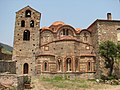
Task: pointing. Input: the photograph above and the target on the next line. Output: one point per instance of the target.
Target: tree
(118, 53)
(109, 51)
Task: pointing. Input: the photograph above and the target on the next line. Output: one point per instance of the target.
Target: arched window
(85, 37)
(45, 66)
(26, 35)
(22, 23)
(31, 23)
(65, 32)
(59, 65)
(68, 64)
(27, 13)
(25, 68)
(89, 66)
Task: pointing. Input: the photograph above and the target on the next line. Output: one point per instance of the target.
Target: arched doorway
(25, 68)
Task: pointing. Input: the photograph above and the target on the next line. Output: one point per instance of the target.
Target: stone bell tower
(26, 40)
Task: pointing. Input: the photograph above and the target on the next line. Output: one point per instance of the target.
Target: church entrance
(25, 68)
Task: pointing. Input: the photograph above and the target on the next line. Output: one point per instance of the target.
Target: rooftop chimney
(109, 16)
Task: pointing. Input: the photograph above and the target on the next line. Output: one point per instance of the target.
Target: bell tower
(26, 40)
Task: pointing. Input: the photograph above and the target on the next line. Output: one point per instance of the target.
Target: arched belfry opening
(27, 13)
(25, 68)
(26, 35)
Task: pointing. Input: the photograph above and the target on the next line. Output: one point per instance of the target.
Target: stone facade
(103, 30)
(60, 48)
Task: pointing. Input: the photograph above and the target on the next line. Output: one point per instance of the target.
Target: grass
(60, 82)
(13, 88)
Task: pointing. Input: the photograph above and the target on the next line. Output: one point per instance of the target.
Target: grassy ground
(59, 83)
(67, 83)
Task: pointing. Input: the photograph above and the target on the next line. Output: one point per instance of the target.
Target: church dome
(58, 23)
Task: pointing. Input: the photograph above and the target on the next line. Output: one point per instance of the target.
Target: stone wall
(8, 66)
(5, 56)
(11, 81)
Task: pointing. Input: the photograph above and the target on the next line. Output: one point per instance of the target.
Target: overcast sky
(78, 13)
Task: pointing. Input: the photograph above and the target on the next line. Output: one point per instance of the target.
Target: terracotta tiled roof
(77, 30)
(58, 23)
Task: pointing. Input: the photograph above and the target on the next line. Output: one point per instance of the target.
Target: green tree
(118, 53)
(109, 51)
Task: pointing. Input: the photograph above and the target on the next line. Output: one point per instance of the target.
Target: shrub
(26, 80)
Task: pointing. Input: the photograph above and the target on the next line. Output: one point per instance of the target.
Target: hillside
(6, 48)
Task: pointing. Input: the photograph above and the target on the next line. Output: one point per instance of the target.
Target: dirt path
(39, 85)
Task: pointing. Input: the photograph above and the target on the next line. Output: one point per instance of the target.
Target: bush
(103, 77)
(113, 77)
(26, 80)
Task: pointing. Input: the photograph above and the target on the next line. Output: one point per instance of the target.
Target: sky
(77, 13)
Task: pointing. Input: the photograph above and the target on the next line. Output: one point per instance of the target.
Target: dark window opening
(26, 68)
(26, 35)
(22, 23)
(52, 28)
(28, 13)
(67, 32)
(63, 31)
(89, 66)
(118, 29)
(31, 23)
(45, 66)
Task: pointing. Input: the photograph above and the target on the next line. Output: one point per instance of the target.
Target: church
(60, 49)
